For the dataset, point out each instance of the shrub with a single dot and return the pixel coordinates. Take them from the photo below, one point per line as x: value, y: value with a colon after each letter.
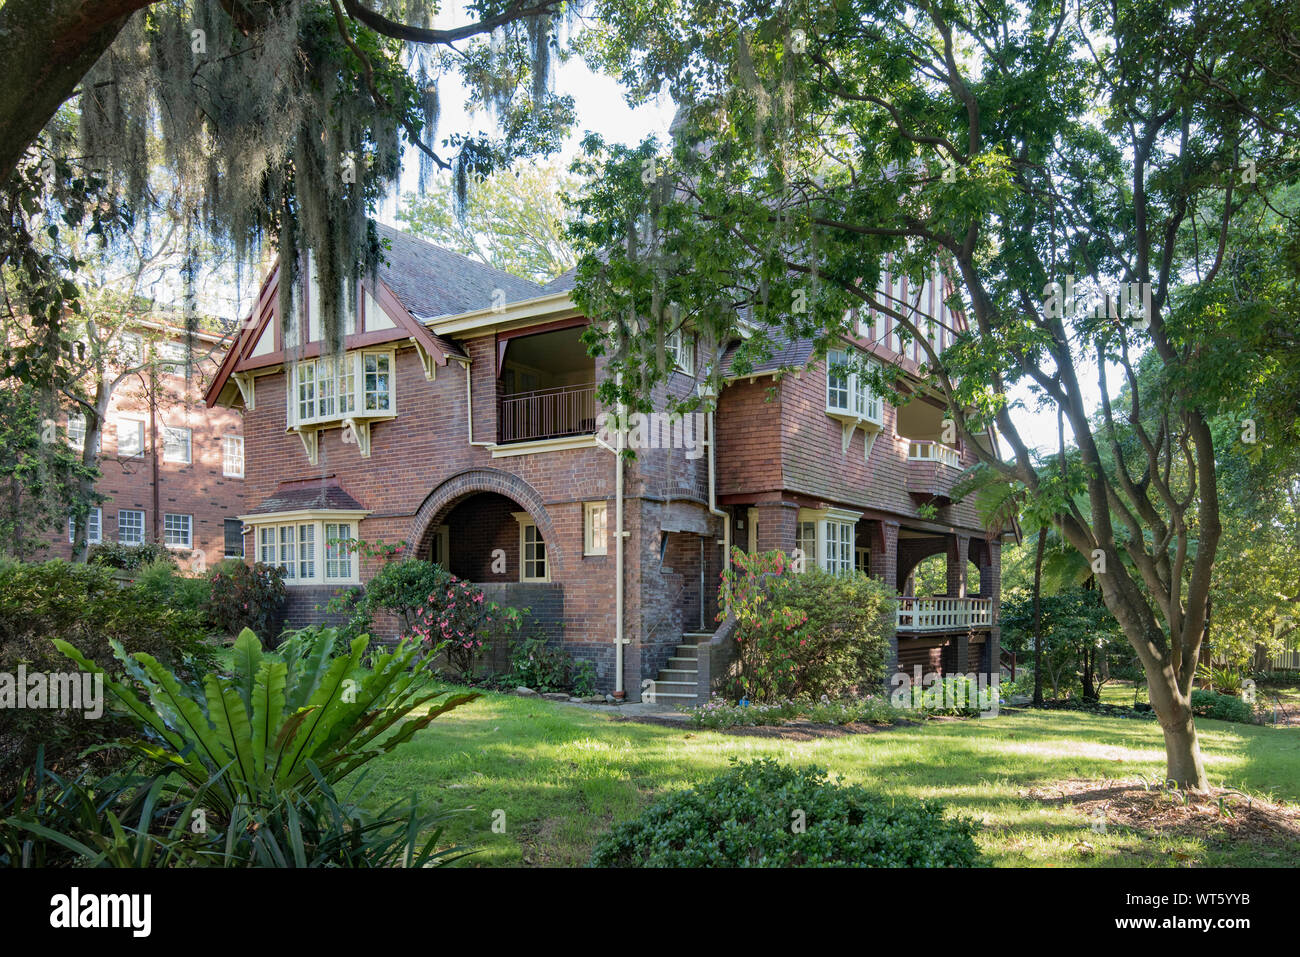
x: 264, y: 725
x: 84, y: 606
x: 460, y: 620
x: 403, y: 588
x: 243, y: 596
x: 809, y: 634
x: 130, y: 557
x: 1221, y: 707
x: 162, y: 582
x: 536, y: 664
x: 718, y: 713
x: 764, y: 814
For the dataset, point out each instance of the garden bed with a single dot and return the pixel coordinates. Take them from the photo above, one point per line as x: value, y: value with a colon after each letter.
x: 797, y: 729
x: 1221, y: 816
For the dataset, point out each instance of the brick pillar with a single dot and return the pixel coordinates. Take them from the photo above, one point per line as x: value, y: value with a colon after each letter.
x: 958, y: 548
x: 886, y: 570
x: 776, y: 526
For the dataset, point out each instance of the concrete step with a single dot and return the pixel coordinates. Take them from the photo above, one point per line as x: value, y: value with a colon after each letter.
x: 677, y: 674
x: 688, y: 663
x: 687, y: 651
x: 674, y: 697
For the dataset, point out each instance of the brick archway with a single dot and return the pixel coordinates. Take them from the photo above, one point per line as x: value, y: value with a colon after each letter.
x: 913, y: 551
x: 472, y: 481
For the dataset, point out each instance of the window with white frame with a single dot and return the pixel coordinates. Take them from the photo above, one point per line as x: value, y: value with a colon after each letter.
x: 862, y: 560
x: 178, y: 530
x: 130, y: 437
x: 77, y: 432
x: 595, y: 528
x: 233, y: 537
x: 130, y: 526
x: 847, y: 391
x: 680, y: 346
x: 532, y: 550
x: 838, y: 556
x: 171, y: 357
x: 310, y: 550
x: 333, y: 388
x: 177, y: 444
x: 94, y: 527
x: 440, y: 546
x: 827, y: 538
x: 232, y: 456
x: 339, y: 546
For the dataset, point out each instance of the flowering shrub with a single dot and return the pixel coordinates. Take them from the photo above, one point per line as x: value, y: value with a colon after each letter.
x: 457, y: 617
x: 247, y: 597
x: 805, y: 635
x: 721, y: 714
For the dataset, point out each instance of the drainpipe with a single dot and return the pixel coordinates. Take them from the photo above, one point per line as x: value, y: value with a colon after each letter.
x: 619, y: 691
x: 469, y: 403
x: 707, y: 393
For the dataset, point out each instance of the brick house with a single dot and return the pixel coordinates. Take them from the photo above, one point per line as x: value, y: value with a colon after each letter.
x: 172, y: 469
x: 462, y: 421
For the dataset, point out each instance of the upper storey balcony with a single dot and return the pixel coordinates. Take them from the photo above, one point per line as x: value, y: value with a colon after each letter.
x: 546, y: 388
x: 932, y: 465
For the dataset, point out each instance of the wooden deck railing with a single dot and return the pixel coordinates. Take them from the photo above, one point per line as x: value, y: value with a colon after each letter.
x: 944, y: 614
x: 547, y: 413
x: 933, y: 452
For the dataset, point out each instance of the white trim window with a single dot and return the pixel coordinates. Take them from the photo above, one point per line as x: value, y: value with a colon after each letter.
x: 293, y: 546
x: 232, y: 456
x: 130, y: 437
x: 178, y: 445
x: 333, y: 388
x: 340, y: 544
x: 172, y: 357
x: 94, y: 528
x: 77, y: 432
x: 178, y: 530
x: 130, y: 526
x: 680, y: 346
x: 827, y: 537
x: 533, y: 566
x: 847, y: 392
x: 595, y: 528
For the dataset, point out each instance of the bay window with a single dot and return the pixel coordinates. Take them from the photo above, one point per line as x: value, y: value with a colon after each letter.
x: 847, y: 392
x: 333, y: 388
x: 312, y: 548
x: 826, y: 537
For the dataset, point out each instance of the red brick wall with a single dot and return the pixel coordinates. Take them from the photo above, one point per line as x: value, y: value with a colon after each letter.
x: 198, y: 489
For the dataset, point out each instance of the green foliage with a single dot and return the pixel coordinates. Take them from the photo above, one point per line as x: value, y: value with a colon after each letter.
x: 513, y: 220
x: 83, y: 606
x: 244, y: 596
x: 404, y: 588
x: 1221, y: 707
x: 535, y: 663
x: 127, y: 821
x: 764, y: 814
x: 162, y: 582
x: 457, y: 618
x: 40, y: 474
x: 130, y: 558
x: 256, y: 730
x: 1082, y: 643
x: 805, y: 635
x: 720, y: 714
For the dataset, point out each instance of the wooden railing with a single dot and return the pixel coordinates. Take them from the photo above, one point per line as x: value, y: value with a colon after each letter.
x: 944, y: 614
x: 933, y: 452
x: 547, y: 414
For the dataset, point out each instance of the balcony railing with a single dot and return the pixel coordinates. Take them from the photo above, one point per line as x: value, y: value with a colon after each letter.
x: 944, y: 614
x: 547, y: 414
x: 933, y: 452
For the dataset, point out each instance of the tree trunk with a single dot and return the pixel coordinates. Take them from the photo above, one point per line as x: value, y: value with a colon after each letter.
x: 1038, y: 618
x: 47, y: 46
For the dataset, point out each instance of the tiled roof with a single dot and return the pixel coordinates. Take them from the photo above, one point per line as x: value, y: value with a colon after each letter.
x: 786, y: 353
x: 563, y: 282
x: 302, y: 496
x: 432, y: 281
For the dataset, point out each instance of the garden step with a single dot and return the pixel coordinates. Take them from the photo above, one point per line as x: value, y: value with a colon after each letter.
x: 686, y: 651
x: 666, y: 674
x: 676, y: 662
x: 675, y: 686
x: 697, y: 635
x: 674, y: 697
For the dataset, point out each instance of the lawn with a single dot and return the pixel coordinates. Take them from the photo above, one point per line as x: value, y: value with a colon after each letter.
x: 562, y: 775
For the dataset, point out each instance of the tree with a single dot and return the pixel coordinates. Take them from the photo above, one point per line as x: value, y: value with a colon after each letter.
x: 1029, y: 147
x: 41, y: 477
x: 282, y: 120
x: 514, y: 220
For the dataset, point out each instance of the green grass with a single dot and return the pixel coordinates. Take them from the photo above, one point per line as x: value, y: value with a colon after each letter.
x: 563, y: 775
